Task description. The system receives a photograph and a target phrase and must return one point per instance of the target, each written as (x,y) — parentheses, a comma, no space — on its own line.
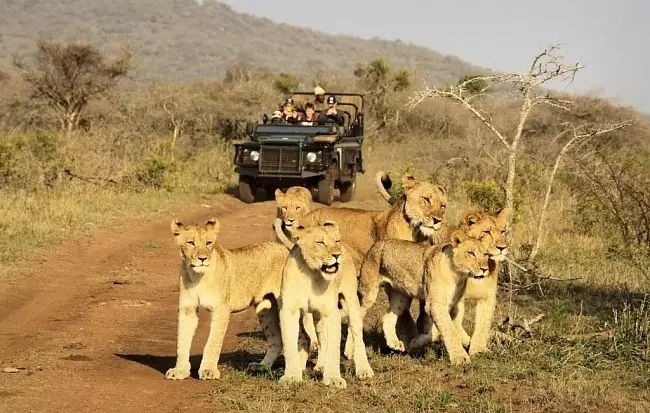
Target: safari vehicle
(322,156)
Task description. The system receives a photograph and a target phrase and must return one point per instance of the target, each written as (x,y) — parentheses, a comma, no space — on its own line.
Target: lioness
(417,216)
(224,281)
(318,274)
(292,205)
(436,275)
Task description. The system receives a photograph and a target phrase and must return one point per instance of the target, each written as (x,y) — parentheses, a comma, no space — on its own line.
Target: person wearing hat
(319,99)
(331,113)
(276,117)
(289,114)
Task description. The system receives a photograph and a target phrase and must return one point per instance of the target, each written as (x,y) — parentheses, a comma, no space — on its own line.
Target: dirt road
(92,327)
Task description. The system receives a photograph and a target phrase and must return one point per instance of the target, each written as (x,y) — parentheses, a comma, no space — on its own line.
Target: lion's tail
(279,233)
(383,182)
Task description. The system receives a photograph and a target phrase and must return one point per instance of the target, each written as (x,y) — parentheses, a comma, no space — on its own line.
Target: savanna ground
(88,271)
(90,324)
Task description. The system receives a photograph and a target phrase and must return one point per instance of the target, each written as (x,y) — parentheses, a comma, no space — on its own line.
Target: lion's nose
(336,256)
(436,220)
(202,259)
(501,248)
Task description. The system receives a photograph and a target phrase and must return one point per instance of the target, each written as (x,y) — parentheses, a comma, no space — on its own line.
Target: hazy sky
(611,38)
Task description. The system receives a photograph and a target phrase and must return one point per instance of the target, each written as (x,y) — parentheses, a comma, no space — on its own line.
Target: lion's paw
(258,367)
(365,372)
(474,350)
(459,359)
(288,378)
(209,374)
(177,373)
(335,381)
(396,345)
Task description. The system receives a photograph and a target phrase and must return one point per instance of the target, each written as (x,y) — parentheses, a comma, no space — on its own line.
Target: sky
(611,38)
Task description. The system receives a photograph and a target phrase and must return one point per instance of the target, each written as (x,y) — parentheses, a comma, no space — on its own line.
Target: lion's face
(290,207)
(321,248)
(491,231)
(196,243)
(469,256)
(425,205)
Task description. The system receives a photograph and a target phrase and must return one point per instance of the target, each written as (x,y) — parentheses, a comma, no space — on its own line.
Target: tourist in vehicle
(289,114)
(331,113)
(276,117)
(319,99)
(310,115)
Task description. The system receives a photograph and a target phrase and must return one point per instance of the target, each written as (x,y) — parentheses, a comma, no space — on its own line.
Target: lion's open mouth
(330,269)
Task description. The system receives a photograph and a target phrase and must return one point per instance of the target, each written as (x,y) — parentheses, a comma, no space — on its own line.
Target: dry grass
(32,220)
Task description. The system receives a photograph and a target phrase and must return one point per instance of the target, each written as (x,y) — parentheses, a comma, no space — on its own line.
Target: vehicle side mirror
(265,119)
(250,128)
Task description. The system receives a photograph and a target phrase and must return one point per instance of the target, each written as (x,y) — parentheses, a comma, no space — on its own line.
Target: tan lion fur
(224,282)
(417,216)
(292,205)
(436,275)
(318,274)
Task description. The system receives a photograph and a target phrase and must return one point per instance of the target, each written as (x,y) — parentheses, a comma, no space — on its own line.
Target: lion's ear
(278,194)
(502,217)
(212,225)
(471,219)
(176,227)
(408,181)
(457,237)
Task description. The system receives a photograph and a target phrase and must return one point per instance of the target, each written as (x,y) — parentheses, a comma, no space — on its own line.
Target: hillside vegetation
(70,162)
(182,40)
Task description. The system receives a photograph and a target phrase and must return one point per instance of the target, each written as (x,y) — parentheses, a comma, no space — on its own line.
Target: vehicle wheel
(348,190)
(326,189)
(246,189)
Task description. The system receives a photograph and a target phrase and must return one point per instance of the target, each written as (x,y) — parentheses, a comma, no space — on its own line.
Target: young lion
(417,216)
(317,274)
(292,205)
(224,281)
(436,275)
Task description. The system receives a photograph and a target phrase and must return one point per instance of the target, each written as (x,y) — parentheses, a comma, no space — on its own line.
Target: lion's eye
(427,200)
(190,243)
(320,243)
(487,231)
(471,253)
(297,208)
(443,206)
(503,232)
(208,243)
(284,208)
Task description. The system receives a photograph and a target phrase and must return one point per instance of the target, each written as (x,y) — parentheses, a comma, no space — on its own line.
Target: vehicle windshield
(294,129)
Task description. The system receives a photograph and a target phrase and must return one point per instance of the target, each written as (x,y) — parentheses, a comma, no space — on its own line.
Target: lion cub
(224,281)
(317,274)
(436,275)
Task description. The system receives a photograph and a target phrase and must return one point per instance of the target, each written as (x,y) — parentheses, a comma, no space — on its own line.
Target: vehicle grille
(280,159)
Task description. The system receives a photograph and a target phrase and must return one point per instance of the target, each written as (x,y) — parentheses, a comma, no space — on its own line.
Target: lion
(417,216)
(224,281)
(437,275)
(317,276)
(292,205)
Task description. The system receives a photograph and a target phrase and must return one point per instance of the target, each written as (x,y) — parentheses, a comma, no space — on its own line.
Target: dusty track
(92,326)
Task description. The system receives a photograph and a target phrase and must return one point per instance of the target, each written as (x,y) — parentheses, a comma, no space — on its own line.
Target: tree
(475,83)
(548,65)
(69,76)
(286,83)
(380,82)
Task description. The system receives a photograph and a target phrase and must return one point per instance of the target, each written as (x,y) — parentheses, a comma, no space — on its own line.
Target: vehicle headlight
(311,157)
(255,156)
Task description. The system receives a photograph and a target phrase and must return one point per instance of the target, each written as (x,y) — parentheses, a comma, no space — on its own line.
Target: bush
(153,172)
(487,194)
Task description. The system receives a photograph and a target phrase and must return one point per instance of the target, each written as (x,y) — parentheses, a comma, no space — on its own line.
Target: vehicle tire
(326,189)
(348,190)
(246,189)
